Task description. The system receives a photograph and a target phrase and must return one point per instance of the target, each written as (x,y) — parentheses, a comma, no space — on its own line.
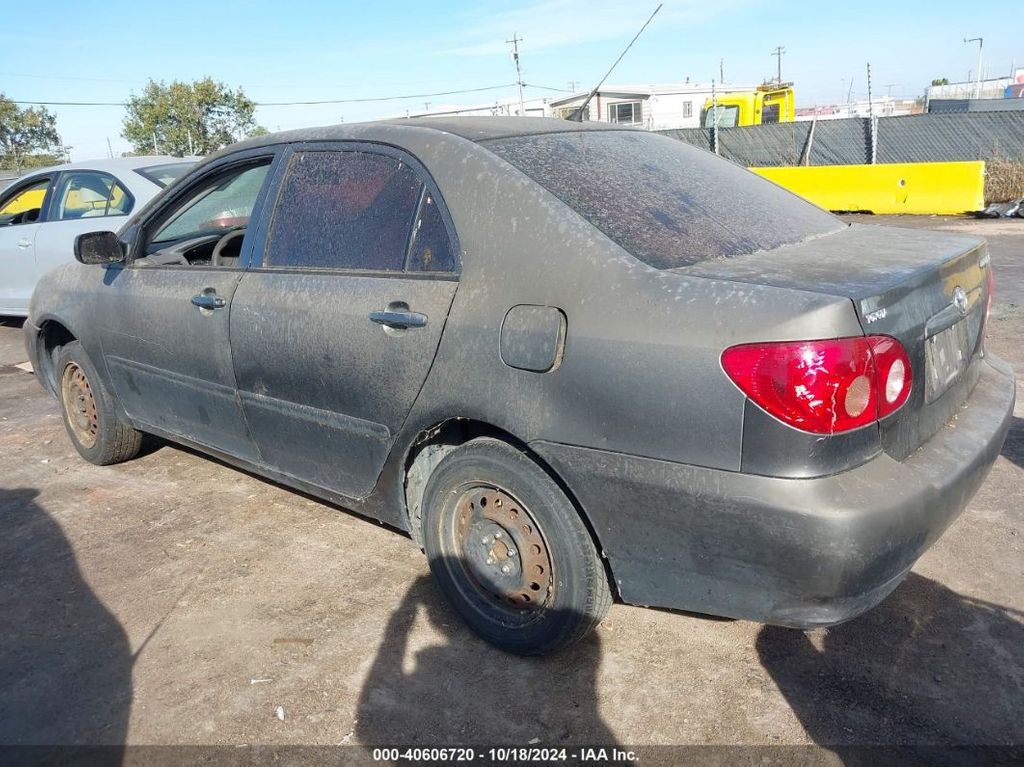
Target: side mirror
(98,248)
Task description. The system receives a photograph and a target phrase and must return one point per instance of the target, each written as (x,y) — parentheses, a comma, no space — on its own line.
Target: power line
(303,103)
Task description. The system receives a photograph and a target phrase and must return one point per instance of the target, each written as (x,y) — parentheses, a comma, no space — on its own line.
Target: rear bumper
(793,552)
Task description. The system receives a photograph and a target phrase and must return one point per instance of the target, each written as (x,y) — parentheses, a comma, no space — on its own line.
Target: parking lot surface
(175,600)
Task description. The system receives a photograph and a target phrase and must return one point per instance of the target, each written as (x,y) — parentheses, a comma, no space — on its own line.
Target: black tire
(555,590)
(92,423)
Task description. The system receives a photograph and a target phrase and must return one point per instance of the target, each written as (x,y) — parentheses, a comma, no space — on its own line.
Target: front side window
(24,206)
(90,194)
(217,206)
(628,113)
(345,210)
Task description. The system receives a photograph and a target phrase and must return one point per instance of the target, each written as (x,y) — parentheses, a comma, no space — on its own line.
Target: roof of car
(471,128)
(115,164)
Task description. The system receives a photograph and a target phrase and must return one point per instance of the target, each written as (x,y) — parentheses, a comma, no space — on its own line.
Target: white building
(654,107)
(880,107)
(993,88)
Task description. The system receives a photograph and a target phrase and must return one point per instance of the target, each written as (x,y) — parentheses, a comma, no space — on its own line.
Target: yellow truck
(761,106)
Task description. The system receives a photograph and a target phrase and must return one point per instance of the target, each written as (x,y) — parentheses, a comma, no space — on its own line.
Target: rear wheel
(89,416)
(509,550)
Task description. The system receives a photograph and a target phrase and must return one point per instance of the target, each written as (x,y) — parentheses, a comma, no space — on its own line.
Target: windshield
(727,117)
(163,175)
(666,202)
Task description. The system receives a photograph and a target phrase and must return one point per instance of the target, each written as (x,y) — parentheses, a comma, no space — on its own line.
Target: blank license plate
(947,355)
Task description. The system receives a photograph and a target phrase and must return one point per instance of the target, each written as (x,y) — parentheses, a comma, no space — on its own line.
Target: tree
(25,135)
(941,81)
(188,118)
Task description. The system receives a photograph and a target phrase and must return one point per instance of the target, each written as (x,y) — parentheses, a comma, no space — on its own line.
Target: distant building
(993,88)
(654,107)
(882,107)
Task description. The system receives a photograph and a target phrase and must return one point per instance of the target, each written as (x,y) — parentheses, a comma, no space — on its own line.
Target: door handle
(399,319)
(209,299)
(23,243)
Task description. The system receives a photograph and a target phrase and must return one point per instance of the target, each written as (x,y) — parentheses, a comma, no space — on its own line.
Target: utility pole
(573,84)
(981,42)
(777,53)
(110,149)
(514,42)
(721,70)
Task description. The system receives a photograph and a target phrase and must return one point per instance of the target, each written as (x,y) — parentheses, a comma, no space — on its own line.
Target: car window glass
(24,206)
(431,249)
(666,202)
(344,210)
(89,194)
(163,175)
(222,204)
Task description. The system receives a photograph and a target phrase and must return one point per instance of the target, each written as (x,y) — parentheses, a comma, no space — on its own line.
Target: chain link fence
(984,136)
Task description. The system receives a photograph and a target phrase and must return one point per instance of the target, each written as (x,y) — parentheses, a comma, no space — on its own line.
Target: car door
(83,201)
(21,209)
(166,313)
(336,324)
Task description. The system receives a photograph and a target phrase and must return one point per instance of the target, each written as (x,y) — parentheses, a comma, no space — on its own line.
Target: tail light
(823,386)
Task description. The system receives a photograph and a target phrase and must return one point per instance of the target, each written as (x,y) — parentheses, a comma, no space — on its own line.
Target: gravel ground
(175,600)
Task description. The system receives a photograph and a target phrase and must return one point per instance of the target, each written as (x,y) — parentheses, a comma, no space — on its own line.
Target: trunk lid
(927,289)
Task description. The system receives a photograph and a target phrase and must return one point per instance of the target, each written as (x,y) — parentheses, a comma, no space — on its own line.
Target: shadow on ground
(1013,448)
(448,691)
(65,662)
(928,666)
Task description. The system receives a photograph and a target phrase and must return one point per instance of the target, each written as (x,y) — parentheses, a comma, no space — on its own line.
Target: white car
(43,212)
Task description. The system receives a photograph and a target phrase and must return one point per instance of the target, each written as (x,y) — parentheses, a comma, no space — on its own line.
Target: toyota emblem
(960,300)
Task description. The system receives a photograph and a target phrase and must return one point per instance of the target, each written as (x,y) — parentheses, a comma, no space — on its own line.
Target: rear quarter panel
(640,372)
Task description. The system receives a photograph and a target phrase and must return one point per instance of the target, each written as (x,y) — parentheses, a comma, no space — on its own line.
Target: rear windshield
(163,175)
(666,202)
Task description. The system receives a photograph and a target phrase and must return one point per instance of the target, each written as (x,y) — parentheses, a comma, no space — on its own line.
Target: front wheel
(509,550)
(96,431)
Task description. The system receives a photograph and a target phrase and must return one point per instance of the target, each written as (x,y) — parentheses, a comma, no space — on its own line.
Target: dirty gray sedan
(571,361)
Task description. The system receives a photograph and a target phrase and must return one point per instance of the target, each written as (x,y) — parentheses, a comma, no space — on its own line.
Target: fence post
(806,159)
(874,139)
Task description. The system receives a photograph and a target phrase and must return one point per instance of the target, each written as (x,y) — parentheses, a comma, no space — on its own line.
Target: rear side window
(344,210)
(666,202)
(431,249)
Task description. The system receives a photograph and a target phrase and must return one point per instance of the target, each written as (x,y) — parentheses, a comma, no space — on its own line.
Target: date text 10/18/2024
(504,754)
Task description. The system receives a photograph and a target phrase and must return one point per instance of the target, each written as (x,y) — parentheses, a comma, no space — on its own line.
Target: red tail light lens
(823,386)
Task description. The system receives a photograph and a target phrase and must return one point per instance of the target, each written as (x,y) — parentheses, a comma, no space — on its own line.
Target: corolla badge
(960,300)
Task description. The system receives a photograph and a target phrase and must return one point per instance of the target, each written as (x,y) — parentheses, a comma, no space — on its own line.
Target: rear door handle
(209,299)
(397,319)
(23,243)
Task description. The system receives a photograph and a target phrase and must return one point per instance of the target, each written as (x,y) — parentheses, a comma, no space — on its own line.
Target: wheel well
(433,444)
(52,337)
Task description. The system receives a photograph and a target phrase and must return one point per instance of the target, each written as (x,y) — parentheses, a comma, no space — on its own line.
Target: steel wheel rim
(501,550)
(80,405)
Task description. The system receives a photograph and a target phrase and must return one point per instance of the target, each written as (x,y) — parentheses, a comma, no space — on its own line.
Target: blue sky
(72,51)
